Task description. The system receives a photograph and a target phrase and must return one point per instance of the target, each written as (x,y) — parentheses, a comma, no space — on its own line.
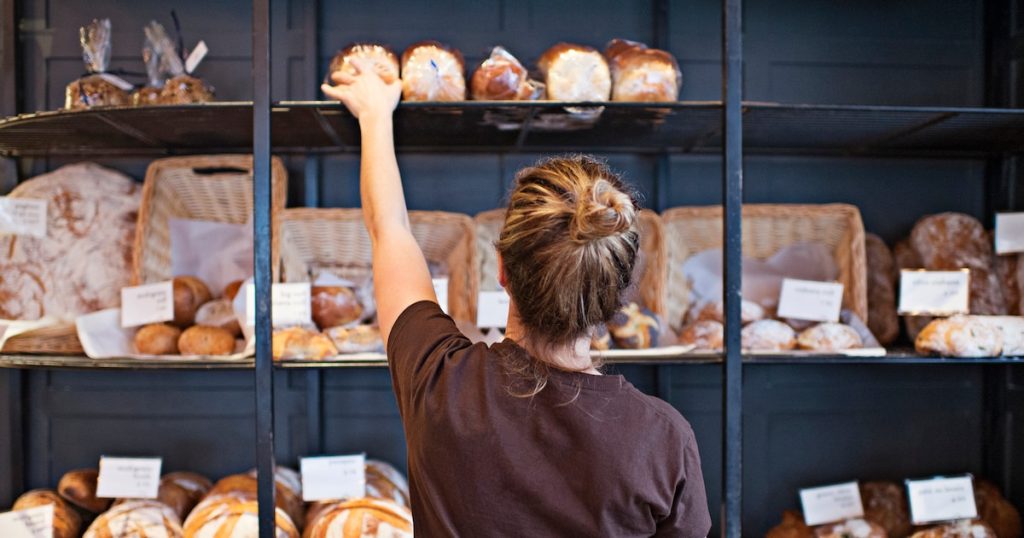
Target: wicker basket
(216,188)
(57,340)
(766,229)
(654,270)
(338,236)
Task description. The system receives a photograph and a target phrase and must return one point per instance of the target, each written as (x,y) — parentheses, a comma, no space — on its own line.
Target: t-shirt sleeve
(689,517)
(420,340)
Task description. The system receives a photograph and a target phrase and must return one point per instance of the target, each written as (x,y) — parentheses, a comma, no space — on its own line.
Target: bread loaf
(380,55)
(973,336)
(853,528)
(189,294)
(1010,269)
(185,89)
(996,511)
(300,343)
(432,72)
(383,481)
(157,339)
(94,91)
(334,306)
(233,516)
(715,311)
(502,78)
(137,519)
(642,74)
(886,504)
(200,340)
(219,313)
(829,337)
(575,73)
(634,327)
(66,521)
(363,518)
(358,339)
(244,486)
(768,335)
(963,529)
(882,318)
(792,526)
(78,487)
(85,258)
(705,335)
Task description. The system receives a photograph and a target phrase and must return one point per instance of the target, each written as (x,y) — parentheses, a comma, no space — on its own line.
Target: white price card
(1009,233)
(492,309)
(31,523)
(148,303)
(290,303)
(940,293)
(333,477)
(23,216)
(828,504)
(132,478)
(117,81)
(810,300)
(196,56)
(941,499)
(441,291)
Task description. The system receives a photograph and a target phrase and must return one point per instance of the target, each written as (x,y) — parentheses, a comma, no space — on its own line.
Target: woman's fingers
(336,92)
(341,77)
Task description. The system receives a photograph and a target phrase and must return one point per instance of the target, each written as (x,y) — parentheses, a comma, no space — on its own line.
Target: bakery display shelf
(488,126)
(892,356)
(81,362)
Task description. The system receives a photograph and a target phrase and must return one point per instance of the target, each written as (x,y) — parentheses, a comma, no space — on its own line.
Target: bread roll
(358,339)
(962,529)
(432,72)
(219,313)
(78,487)
(634,327)
(502,78)
(715,311)
(575,73)
(334,306)
(886,504)
(768,335)
(792,526)
(200,340)
(706,335)
(137,519)
(882,318)
(189,294)
(300,343)
(363,518)
(231,290)
(852,528)
(157,339)
(233,516)
(829,337)
(960,336)
(996,511)
(66,521)
(378,54)
(600,338)
(642,74)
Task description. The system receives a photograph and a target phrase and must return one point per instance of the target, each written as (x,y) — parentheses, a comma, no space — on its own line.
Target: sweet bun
(829,337)
(157,339)
(634,327)
(200,340)
(300,343)
(78,487)
(219,313)
(334,306)
(768,335)
(189,294)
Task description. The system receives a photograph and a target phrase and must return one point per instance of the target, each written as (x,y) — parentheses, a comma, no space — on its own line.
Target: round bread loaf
(180,491)
(379,54)
(244,486)
(886,504)
(300,343)
(358,339)
(157,339)
(189,294)
(575,73)
(219,313)
(146,96)
(78,487)
(768,335)
(66,521)
(363,518)
(334,306)
(185,89)
(94,91)
(200,340)
(233,516)
(432,72)
(829,337)
(137,519)
(383,481)
(706,335)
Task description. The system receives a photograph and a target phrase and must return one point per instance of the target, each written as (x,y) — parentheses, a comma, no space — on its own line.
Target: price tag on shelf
(940,293)
(810,300)
(196,56)
(23,216)
(132,478)
(333,477)
(941,499)
(1009,233)
(441,291)
(148,303)
(290,304)
(828,504)
(492,309)
(31,523)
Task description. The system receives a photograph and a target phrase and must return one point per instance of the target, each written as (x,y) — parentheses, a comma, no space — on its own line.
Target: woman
(526,437)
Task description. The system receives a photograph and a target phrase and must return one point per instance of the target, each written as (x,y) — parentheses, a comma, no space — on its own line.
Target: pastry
(642,74)
(829,337)
(432,72)
(852,528)
(768,335)
(189,294)
(634,327)
(1012,330)
(137,519)
(157,339)
(95,89)
(231,290)
(502,78)
(886,504)
(600,338)
(78,487)
(575,73)
(792,526)
(66,521)
(705,335)
(358,339)
(146,96)
(334,306)
(362,518)
(234,516)
(960,336)
(379,54)
(219,313)
(996,511)
(882,319)
(962,529)
(184,89)
(200,340)
(715,311)
(85,258)
(300,343)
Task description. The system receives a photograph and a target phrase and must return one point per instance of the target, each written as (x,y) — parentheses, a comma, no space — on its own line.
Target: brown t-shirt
(482,462)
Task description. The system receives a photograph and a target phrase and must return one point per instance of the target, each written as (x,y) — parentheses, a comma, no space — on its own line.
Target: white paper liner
(9,328)
(217,253)
(102,337)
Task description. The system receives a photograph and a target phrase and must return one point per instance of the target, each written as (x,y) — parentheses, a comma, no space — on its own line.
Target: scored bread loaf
(78,487)
(137,519)
(244,486)
(882,319)
(362,518)
(66,521)
(234,516)
(768,335)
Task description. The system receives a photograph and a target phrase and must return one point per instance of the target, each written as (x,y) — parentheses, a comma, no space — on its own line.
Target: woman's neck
(575,358)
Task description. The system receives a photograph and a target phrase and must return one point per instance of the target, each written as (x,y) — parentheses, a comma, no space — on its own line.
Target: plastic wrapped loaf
(233,516)
(95,90)
(642,74)
(575,73)
(362,518)
(502,78)
(432,72)
(378,54)
(137,519)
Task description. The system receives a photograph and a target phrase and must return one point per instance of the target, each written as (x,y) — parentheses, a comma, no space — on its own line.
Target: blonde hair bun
(601,211)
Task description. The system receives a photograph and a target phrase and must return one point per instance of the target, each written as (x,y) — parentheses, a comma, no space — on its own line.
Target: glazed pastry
(706,335)
(885,503)
(362,518)
(334,306)
(575,73)
(66,521)
(634,327)
(200,340)
(768,335)
(358,339)
(642,74)
(432,72)
(136,519)
(502,78)
(829,337)
(189,294)
(157,339)
(960,336)
(379,54)
(78,487)
(300,343)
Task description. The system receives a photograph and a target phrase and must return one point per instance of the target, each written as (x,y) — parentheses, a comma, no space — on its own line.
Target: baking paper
(102,337)
(215,252)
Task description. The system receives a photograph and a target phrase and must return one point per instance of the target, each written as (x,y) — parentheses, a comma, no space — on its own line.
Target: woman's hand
(365,94)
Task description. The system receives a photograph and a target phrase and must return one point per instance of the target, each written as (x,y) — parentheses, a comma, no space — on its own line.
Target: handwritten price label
(828,504)
(333,477)
(1009,233)
(939,293)
(31,523)
(941,499)
(492,309)
(290,303)
(148,303)
(132,478)
(23,216)
(810,300)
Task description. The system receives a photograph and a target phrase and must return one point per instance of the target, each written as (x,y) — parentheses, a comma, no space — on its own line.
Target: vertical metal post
(732,201)
(311,66)
(261,209)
